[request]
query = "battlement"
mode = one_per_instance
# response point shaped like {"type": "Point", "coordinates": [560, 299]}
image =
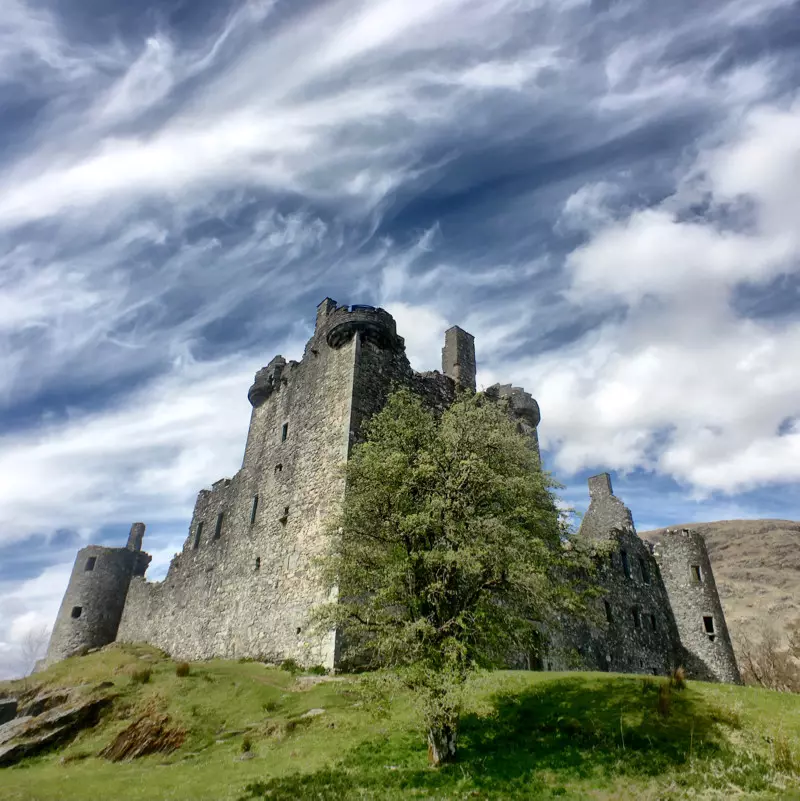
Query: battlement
{"type": "Point", "coordinates": [337, 325]}
{"type": "Point", "coordinates": [266, 381]}
{"type": "Point", "coordinates": [521, 403]}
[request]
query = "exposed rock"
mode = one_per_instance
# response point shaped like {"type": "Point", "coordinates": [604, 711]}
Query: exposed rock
{"type": "Point", "coordinates": [28, 735]}
{"type": "Point", "coordinates": [43, 702]}
{"type": "Point", "coordinates": [8, 709]}
{"type": "Point", "coordinates": [312, 713]}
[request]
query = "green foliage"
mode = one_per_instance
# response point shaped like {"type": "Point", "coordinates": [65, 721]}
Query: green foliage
{"type": "Point", "coordinates": [247, 744]}
{"type": "Point", "coordinates": [317, 670]}
{"type": "Point", "coordinates": [523, 735]}
{"type": "Point", "coordinates": [291, 666]}
{"type": "Point", "coordinates": [448, 548]}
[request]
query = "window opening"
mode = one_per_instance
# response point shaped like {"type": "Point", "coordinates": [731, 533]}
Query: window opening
{"type": "Point", "coordinates": [258, 563]}
{"type": "Point", "coordinates": [197, 535]}
{"type": "Point", "coordinates": [611, 560]}
{"type": "Point", "coordinates": [645, 572]}
{"type": "Point", "coordinates": [626, 564]}
{"type": "Point", "coordinates": [76, 611]}
{"type": "Point", "coordinates": [609, 616]}
{"type": "Point", "coordinates": [218, 528]}
{"type": "Point", "coordinates": [697, 576]}
{"type": "Point", "coordinates": [708, 624]}
{"type": "Point", "coordinates": [90, 563]}
{"type": "Point", "coordinates": [653, 622]}
{"type": "Point", "coordinates": [298, 629]}
{"type": "Point", "coordinates": [285, 516]}
{"type": "Point", "coordinates": [284, 432]}
{"type": "Point", "coordinates": [254, 510]}
{"type": "Point", "coordinates": [637, 619]}
{"type": "Point", "coordinates": [278, 468]}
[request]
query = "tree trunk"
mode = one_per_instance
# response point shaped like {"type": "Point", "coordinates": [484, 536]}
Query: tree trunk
{"type": "Point", "coordinates": [442, 745]}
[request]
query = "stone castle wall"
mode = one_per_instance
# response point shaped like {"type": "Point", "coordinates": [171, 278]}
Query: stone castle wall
{"type": "Point", "coordinates": [245, 579]}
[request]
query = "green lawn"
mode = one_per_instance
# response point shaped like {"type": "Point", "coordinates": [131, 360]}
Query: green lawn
{"type": "Point", "coordinates": [524, 736]}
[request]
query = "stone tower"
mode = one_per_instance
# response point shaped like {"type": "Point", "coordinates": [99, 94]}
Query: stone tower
{"type": "Point", "coordinates": [245, 580]}
{"type": "Point", "coordinates": [92, 607]}
{"type": "Point", "coordinates": [686, 571]}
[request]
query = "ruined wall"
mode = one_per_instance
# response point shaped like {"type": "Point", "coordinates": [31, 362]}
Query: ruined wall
{"type": "Point", "coordinates": [689, 580]}
{"type": "Point", "coordinates": [90, 612]}
{"type": "Point", "coordinates": [631, 628]}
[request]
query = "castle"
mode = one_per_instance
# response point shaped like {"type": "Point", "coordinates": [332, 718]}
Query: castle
{"type": "Point", "coordinates": [244, 582]}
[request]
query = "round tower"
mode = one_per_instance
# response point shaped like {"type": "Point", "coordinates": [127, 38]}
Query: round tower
{"type": "Point", "coordinates": [689, 580]}
{"type": "Point", "coordinates": [92, 607]}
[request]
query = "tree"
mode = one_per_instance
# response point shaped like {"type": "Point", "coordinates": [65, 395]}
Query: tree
{"type": "Point", "coordinates": [33, 647]}
{"type": "Point", "coordinates": [446, 552]}
{"type": "Point", "coordinates": [772, 661]}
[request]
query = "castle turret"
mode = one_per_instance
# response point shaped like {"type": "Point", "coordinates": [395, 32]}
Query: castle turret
{"type": "Point", "coordinates": [92, 606]}
{"type": "Point", "coordinates": [689, 580]}
{"type": "Point", "coordinates": [606, 512]}
{"type": "Point", "coordinates": [458, 357]}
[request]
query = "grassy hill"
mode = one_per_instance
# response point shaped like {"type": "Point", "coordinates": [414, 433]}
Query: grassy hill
{"type": "Point", "coordinates": [525, 736]}
{"type": "Point", "coordinates": [757, 568]}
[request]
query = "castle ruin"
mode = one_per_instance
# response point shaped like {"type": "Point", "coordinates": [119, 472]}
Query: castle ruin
{"type": "Point", "coordinates": [244, 582]}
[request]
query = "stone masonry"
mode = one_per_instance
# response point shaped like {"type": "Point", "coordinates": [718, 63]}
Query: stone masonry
{"type": "Point", "coordinates": [244, 581]}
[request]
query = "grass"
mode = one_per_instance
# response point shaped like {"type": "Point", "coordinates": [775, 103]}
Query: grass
{"type": "Point", "coordinates": [524, 736]}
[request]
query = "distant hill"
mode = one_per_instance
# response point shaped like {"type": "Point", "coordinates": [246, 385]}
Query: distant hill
{"type": "Point", "coordinates": [757, 568]}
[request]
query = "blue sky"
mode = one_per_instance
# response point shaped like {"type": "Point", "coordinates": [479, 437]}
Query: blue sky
{"type": "Point", "coordinates": [604, 192]}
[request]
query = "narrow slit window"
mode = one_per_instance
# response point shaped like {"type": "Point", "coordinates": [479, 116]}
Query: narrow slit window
{"type": "Point", "coordinates": [254, 510]}
{"type": "Point", "coordinates": [197, 534]}
{"type": "Point", "coordinates": [611, 561]}
{"type": "Point", "coordinates": [285, 516]}
{"type": "Point", "coordinates": [653, 622]}
{"type": "Point", "coordinates": [278, 468]}
{"type": "Point", "coordinates": [609, 615]}
{"type": "Point", "coordinates": [626, 566]}
{"type": "Point", "coordinates": [697, 576]}
{"type": "Point", "coordinates": [218, 528]}
{"type": "Point", "coordinates": [645, 571]}
{"type": "Point", "coordinates": [258, 563]}
{"type": "Point", "coordinates": [90, 563]}
{"type": "Point", "coordinates": [76, 611]}
{"type": "Point", "coordinates": [637, 618]}
{"type": "Point", "coordinates": [708, 625]}
{"type": "Point", "coordinates": [284, 432]}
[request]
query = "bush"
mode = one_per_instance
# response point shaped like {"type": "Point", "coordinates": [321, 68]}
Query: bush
{"type": "Point", "coordinates": [247, 744]}
{"type": "Point", "coordinates": [270, 706]}
{"type": "Point", "coordinates": [291, 666]}
{"type": "Point", "coordinates": [141, 676]}
{"type": "Point", "coordinates": [182, 669]}
{"type": "Point", "coordinates": [665, 699]}
{"type": "Point", "coordinates": [678, 678]}
{"type": "Point", "coordinates": [318, 670]}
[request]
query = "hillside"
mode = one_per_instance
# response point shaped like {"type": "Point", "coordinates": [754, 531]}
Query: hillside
{"type": "Point", "coordinates": [245, 731]}
{"type": "Point", "coordinates": [757, 568]}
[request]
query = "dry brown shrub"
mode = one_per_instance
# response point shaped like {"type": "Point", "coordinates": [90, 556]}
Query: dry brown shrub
{"type": "Point", "coordinates": [665, 699]}
{"type": "Point", "coordinates": [150, 733]}
{"type": "Point", "coordinates": [182, 669]}
{"type": "Point", "coordinates": [678, 678]}
{"type": "Point", "coordinates": [769, 662]}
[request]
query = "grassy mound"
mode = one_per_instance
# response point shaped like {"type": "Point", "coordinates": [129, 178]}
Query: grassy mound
{"type": "Point", "coordinates": [250, 732]}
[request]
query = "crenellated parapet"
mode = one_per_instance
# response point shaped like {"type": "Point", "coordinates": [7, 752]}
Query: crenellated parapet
{"type": "Point", "coordinates": [337, 325]}
{"type": "Point", "coordinates": [266, 381]}
{"type": "Point", "coordinates": [521, 403]}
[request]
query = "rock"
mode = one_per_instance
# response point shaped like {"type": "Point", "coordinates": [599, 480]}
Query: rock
{"type": "Point", "coordinates": [312, 713]}
{"type": "Point", "coordinates": [44, 701]}
{"type": "Point", "coordinates": [8, 710]}
{"type": "Point", "coordinates": [28, 734]}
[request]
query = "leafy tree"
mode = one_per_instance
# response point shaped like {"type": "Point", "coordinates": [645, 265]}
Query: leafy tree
{"type": "Point", "coordinates": [446, 552]}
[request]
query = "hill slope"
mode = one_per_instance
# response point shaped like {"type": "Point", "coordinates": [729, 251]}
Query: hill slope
{"type": "Point", "coordinates": [524, 735]}
{"type": "Point", "coordinates": [757, 569]}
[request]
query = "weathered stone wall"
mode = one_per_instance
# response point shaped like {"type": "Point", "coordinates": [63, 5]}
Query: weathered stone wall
{"type": "Point", "coordinates": [631, 628]}
{"type": "Point", "coordinates": [90, 612]}
{"type": "Point", "coordinates": [689, 580]}
{"type": "Point", "coordinates": [248, 591]}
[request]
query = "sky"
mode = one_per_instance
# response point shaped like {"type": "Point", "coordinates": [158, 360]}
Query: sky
{"type": "Point", "coordinates": [604, 192]}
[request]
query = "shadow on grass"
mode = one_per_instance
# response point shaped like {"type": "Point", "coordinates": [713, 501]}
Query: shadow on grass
{"type": "Point", "coordinates": [533, 743]}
